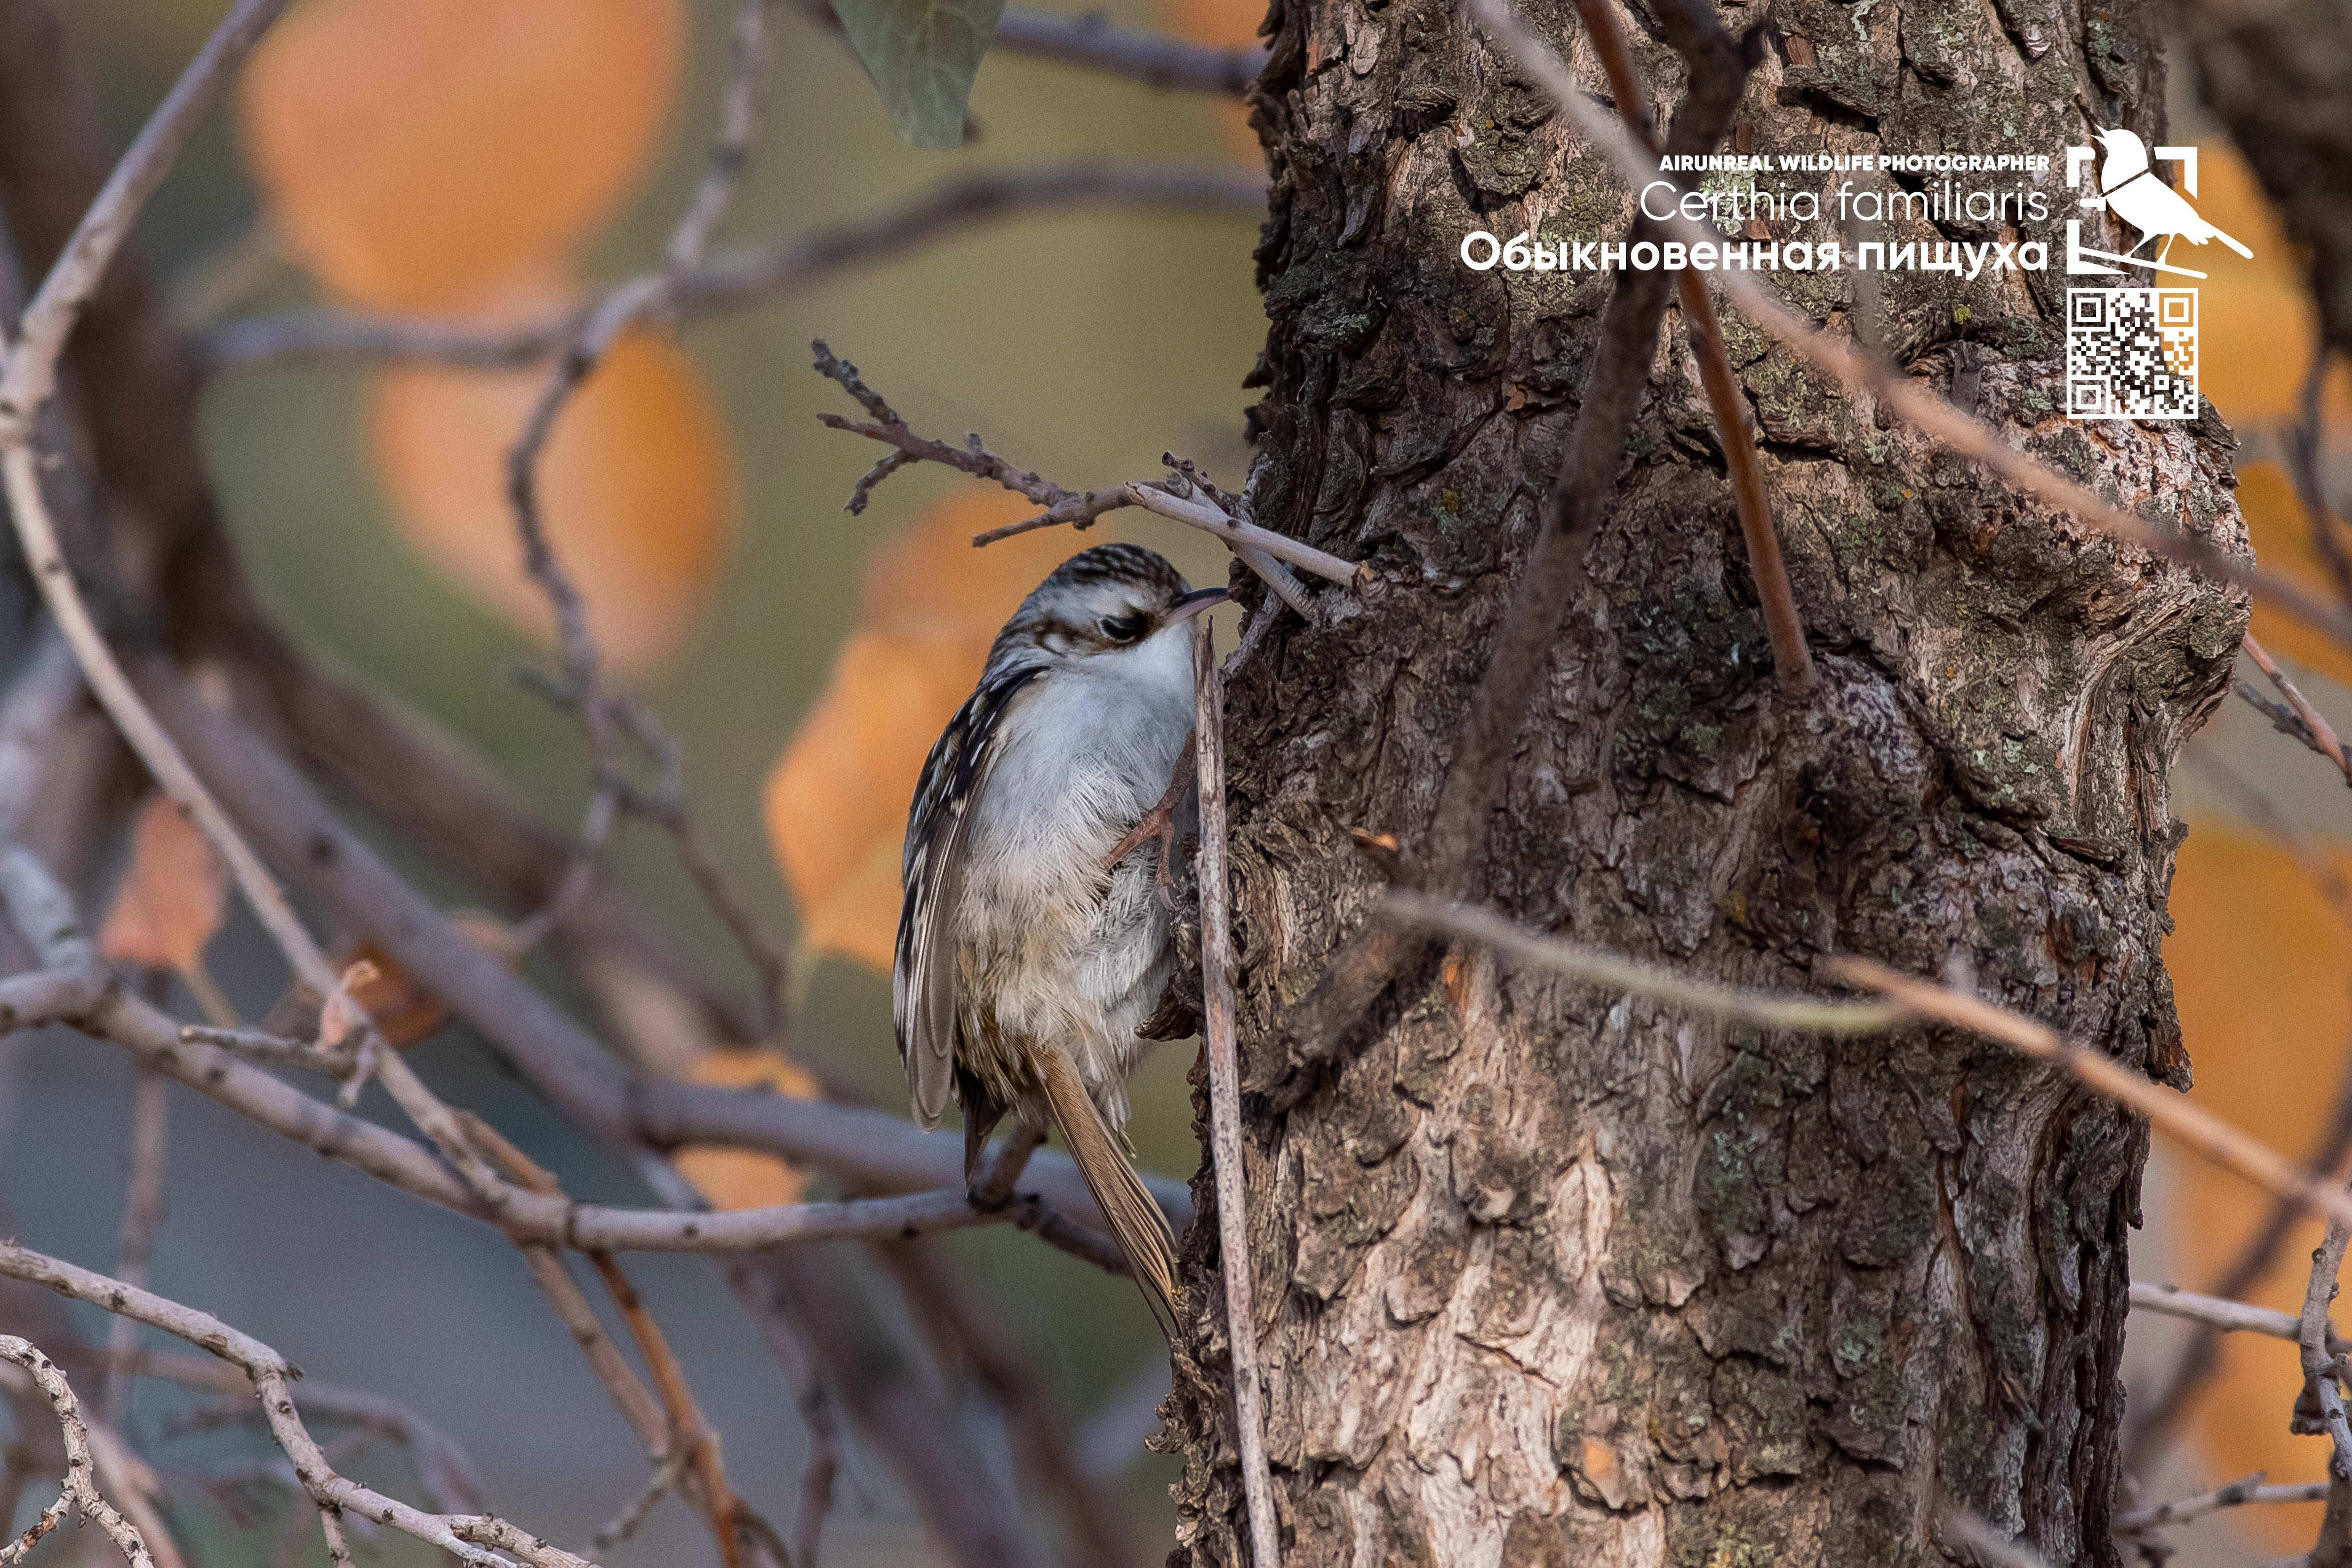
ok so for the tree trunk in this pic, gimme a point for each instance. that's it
(1549, 1277)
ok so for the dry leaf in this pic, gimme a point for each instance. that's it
(412, 152)
(745, 1178)
(836, 801)
(2258, 961)
(636, 490)
(172, 897)
(403, 1009)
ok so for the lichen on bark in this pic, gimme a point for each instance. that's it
(1546, 1276)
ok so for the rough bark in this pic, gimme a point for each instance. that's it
(1546, 1277)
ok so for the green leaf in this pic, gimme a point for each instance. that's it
(922, 54)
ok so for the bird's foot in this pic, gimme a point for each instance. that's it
(1158, 824)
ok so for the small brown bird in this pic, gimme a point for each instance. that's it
(1033, 943)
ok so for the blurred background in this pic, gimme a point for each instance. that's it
(805, 658)
(701, 507)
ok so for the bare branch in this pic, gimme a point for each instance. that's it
(2204, 1133)
(463, 1535)
(1224, 1102)
(80, 1487)
(1090, 41)
(1814, 1015)
(2320, 1407)
(872, 1151)
(2237, 1494)
(43, 693)
(611, 721)
(31, 373)
(2220, 1312)
(2320, 733)
(749, 275)
(99, 1008)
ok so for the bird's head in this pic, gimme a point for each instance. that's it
(1101, 602)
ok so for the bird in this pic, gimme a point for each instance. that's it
(2129, 190)
(1034, 946)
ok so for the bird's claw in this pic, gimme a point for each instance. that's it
(1158, 824)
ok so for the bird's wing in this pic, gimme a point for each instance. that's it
(922, 980)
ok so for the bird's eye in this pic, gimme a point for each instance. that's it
(1122, 629)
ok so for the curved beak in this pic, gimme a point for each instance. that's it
(1187, 606)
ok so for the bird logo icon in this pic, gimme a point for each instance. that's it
(2130, 189)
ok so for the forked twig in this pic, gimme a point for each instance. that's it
(471, 1538)
(2320, 1408)
(1186, 498)
(2320, 733)
(1224, 1102)
(612, 721)
(79, 1489)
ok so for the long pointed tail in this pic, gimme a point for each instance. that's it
(1136, 1222)
(2232, 243)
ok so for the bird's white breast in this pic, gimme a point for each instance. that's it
(1060, 951)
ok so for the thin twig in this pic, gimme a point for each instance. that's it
(1180, 498)
(623, 1524)
(2322, 735)
(2191, 1122)
(25, 385)
(31, 373)
(685, 1433)
(2263, 812)
(1930, 413)
(80, 1487)
(2237, 1494)
(2321, 1406)
(466, 1536)
(2306, 441)
(1211, 519)
(611, 721)
(1088, 40)
(2227, 1315)
(1224, 1102)
(1812, 1015)
(445, 1471)
(751, 275)
(1793, 661)
(2146, 1437)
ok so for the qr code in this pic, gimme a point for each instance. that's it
(2131, 353)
